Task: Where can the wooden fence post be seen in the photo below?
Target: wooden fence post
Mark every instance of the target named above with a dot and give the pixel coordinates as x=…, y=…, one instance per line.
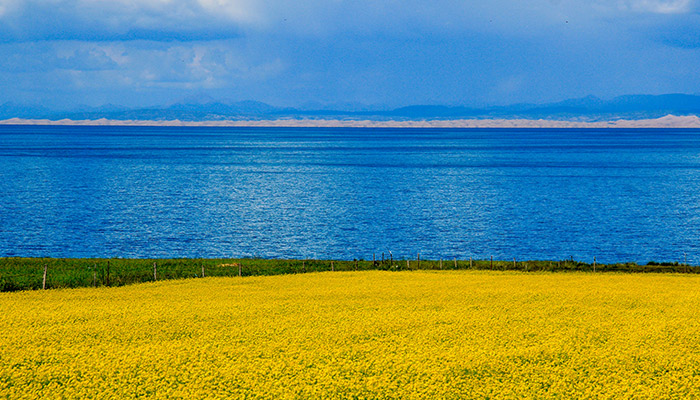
x=239, y=270
x=408, y=264
x=94, y=275
x=332, y=267
x=43, y=283
x=455, y=262
x=515, y=266
x=418, y=260
x=155, y=275
x=491, y=263
x=441, y=263
x=471, y=266
x=202, y=270
x=594, y=263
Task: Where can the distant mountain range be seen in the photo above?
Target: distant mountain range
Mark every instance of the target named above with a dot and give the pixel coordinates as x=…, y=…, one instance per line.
x=208, y=109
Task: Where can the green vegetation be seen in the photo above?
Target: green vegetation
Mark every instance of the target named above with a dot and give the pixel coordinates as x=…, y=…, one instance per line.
x=27, y=273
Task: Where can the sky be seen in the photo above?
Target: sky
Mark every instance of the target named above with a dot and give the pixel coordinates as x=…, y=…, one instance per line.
x=351, y=54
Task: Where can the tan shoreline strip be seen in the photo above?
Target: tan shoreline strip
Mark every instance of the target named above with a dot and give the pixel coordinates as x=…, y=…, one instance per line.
x=669, y=121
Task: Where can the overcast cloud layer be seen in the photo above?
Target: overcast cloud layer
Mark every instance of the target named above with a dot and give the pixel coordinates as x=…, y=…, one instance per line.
x=334, y=52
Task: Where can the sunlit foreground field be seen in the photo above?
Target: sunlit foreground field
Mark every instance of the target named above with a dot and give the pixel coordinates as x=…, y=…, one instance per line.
x=374, y=335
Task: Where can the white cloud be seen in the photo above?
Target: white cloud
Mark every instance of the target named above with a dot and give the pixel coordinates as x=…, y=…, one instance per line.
x=165, y=20
x=8, y=7
x=658, y=6
x=326, y=50
x=25, y=20
x=207, y=65
x=241, y=11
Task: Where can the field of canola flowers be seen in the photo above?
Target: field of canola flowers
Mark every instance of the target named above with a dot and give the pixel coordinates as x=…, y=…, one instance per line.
x=359, y=335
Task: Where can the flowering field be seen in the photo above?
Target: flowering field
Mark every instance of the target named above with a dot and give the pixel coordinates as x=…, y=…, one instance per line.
x=374, y=335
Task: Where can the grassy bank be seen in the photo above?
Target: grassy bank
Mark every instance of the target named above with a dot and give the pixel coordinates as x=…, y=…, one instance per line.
x=28, y=273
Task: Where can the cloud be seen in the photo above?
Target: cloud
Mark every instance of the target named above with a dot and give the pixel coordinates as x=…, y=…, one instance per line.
x=49, y=57
x=659, y=6
x=161, y=20
x=197, y=20
x=138, y=64
x=374, y=51
x=26, y=20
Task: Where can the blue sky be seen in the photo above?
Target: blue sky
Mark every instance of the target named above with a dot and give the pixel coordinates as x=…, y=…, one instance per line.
x=63, y=53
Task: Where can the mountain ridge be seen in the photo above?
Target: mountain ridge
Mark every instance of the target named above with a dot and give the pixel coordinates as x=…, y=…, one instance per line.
x=204, y=108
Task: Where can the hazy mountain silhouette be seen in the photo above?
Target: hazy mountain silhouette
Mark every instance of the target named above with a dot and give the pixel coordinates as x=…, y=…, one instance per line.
x=202, y=107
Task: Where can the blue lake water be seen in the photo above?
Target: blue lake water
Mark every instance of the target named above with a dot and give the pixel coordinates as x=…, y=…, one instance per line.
x=619, y=195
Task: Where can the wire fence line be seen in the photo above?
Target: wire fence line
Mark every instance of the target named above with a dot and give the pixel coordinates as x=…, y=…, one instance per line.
x=45, y=273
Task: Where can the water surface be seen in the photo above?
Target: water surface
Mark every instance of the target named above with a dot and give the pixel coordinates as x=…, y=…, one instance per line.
x=619, y=195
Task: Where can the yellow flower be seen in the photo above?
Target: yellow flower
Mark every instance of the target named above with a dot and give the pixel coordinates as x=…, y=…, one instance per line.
x=358, y=335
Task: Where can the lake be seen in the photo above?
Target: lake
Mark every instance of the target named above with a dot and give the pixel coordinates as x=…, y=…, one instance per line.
x=618, y=195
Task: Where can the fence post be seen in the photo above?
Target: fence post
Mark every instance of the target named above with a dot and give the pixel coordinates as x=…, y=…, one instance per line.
x=94, y=275
x=455, y=262
x=491, y=263
x=239, y=270
x=202, y=270
x=418, y=260
x=515, y=266
x=594, y=263
x=43, y=283
x=332, y=267
x=471, y=266
x=408, y=264
x=441, y=263
x=155, y=276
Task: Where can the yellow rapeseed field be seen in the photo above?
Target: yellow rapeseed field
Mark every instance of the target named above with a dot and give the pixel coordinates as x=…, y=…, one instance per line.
x=359, y=335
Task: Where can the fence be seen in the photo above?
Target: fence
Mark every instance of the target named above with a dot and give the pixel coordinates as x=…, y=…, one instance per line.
x=45, y=273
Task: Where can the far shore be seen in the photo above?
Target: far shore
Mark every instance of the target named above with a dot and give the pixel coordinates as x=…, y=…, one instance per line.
x=669, y=121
